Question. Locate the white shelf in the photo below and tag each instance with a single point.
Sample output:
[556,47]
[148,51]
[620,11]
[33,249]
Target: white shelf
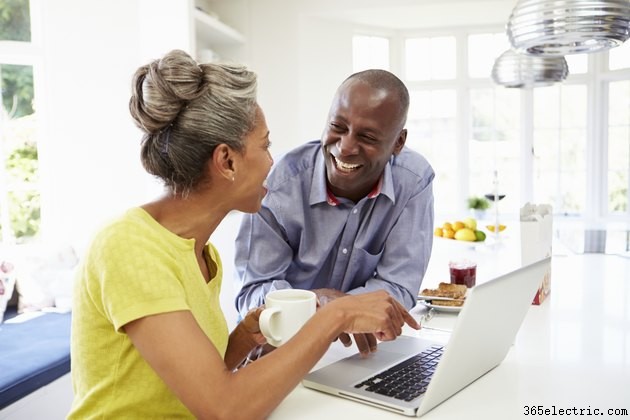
[210,31]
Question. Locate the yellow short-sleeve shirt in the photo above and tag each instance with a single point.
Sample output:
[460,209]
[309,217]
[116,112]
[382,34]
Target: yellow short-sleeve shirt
[134,268]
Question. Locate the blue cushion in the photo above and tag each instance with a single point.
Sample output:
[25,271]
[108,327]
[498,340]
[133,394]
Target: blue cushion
[33,353]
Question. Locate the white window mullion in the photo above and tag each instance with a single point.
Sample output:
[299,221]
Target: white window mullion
[596,209]
[463,119]
[396,54]
[527,145]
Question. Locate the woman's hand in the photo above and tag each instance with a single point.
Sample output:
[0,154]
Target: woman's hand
[366,343]
[376,312]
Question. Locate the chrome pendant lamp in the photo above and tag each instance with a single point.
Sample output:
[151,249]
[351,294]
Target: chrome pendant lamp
[515,70]
[561,27]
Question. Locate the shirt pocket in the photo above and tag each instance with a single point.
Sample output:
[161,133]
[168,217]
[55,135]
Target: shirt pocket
[363,263]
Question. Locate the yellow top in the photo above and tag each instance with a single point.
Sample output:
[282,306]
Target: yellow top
[134,268]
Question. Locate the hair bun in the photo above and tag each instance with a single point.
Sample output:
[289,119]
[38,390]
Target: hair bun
[162,88]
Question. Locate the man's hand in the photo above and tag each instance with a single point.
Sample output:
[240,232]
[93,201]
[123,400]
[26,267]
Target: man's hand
[366,343]
[250,324]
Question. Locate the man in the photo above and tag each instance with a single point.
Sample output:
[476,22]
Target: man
[350,214]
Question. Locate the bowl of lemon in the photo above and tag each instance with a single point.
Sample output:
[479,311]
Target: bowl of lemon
[464,230]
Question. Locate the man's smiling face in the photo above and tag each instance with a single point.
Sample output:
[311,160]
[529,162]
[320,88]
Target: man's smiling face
[364,129]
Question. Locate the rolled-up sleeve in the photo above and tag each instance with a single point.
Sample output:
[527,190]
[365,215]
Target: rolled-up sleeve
[262,257]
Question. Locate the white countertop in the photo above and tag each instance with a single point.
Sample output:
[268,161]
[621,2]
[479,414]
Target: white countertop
[573,351]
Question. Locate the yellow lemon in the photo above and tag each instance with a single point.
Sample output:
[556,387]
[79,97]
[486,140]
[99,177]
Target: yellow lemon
[491,228]
[447,225]
[465,234]
[448,233]
[470,223]
[437,231]
[458,225]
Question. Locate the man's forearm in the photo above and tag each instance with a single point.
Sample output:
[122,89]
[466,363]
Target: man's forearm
[399,292]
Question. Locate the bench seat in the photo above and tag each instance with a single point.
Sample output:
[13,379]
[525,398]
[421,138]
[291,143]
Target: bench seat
[33,353]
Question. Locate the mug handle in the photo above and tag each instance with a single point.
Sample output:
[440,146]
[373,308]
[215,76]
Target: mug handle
[264,322]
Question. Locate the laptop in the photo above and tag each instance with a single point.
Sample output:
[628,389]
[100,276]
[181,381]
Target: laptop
[483,333]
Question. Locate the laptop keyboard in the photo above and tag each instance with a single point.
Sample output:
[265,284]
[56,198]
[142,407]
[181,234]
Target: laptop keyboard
[407,380]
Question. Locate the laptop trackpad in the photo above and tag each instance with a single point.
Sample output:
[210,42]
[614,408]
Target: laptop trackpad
[357,368]
[376,360]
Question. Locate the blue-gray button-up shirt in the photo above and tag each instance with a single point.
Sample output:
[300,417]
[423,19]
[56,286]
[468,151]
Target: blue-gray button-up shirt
[299,240]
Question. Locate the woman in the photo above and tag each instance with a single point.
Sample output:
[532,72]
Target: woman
[148,336]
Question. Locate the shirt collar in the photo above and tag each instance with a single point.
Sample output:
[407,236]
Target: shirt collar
[319,187]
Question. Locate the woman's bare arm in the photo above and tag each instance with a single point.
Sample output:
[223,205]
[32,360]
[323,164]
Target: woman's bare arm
[181,354]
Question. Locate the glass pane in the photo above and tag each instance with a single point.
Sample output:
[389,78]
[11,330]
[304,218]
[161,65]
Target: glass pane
[617,191]
[495,145]
[24,207]
[619,104]
[15,20]
[572,145]
[619,148]
[578,63]
[619,57]
[483,50]
[442,58]
[19,201]
[573,199]
[546,107]
[560,147]
[22,163]
[573,106]
[17,90]
[416,51]
[431,131]
[430,58]
[370,52]
[617,145]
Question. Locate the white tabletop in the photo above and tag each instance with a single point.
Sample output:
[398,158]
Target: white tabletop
[572,352]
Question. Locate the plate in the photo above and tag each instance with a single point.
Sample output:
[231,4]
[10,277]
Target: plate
[458,243]
[440,308]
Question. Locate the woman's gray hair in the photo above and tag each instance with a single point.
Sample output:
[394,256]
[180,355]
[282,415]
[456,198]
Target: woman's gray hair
[186,110]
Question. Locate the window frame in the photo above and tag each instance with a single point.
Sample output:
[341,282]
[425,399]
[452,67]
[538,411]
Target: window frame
[25,53]
[597,80]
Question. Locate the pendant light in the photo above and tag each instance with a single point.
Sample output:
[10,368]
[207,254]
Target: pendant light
[561,27]
[515,70]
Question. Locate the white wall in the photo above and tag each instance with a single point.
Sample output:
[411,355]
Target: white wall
[324,61]
[89,149]
[273,46]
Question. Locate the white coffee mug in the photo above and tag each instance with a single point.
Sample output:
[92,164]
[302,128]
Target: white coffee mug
[286,311]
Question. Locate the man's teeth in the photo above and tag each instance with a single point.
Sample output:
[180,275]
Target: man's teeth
[345,166]
[265,183]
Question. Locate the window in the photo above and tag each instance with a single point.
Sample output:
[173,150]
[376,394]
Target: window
[370,52]
[483,49]
[560,147]
[430,58]
[619,57]
[577,63]
[431,128]
[495,144]
[560,144]
[619,148]
[19,194]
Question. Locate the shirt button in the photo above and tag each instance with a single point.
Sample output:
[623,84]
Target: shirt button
[355,211]
[345,250]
